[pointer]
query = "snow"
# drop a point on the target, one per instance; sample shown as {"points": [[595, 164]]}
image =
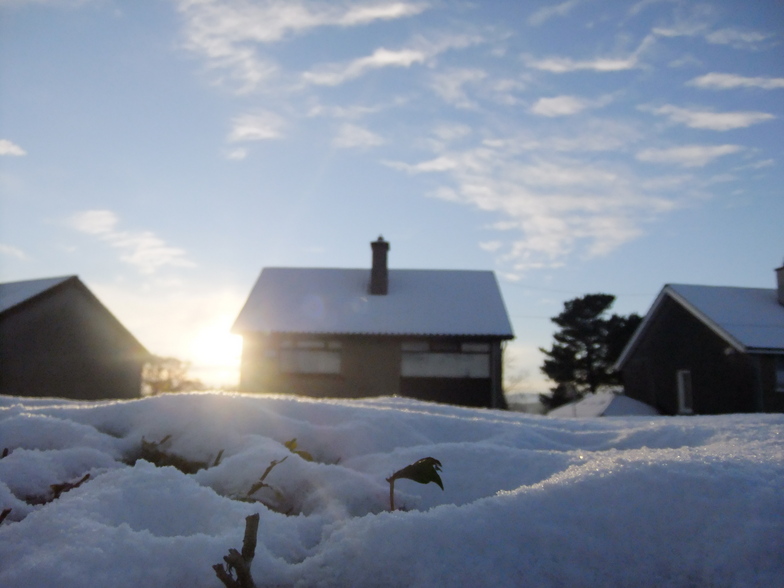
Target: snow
{"points": [[604, 404], [527, 500], [419, 302]]}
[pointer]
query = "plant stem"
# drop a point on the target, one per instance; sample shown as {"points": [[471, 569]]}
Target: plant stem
{"points": [[391, 494]]}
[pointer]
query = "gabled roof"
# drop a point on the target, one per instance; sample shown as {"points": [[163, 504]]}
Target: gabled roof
{"points": [[749, 319], [419, 302], [15, 293]]}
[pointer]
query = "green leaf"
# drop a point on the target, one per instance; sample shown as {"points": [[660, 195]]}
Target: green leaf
{"points": [[423, 471], [292, 446]]}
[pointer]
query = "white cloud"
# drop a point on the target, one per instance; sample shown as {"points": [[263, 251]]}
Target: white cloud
{"points": [[688, 155], [598, 64], [547, 12], [141, 249], [11, 251], [94, 222], [565, 105], [350, 136], [737, 38], [228, 33], [549, 206], [704, 119], [723, 81], [237, 154], [259, 126], [336, 74], [449, 85], [491, 246], [9, 148], [422, 51]]}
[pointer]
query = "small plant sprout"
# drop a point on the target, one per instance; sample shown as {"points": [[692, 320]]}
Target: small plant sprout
{"points": [[423, 471], [292, 446]]}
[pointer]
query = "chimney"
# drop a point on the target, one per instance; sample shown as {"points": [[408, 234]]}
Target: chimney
{"points": [[379, 275], [780, 280]]}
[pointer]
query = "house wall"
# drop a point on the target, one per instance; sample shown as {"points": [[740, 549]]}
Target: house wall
{"points": [[772, 400], [63, 345], [371, 366], [723, 380]]}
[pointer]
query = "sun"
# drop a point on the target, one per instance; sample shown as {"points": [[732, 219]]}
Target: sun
{"points": [[215, 348]]}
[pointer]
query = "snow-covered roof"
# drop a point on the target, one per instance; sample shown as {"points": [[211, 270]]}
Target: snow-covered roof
{"points": [[14, 293], [419, 302], [749, 319], [604, 404]]}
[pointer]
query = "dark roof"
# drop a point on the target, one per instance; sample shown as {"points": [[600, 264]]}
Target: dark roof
{"points": [[749, 319], [14, 293], [15, 296], [419, 302]]}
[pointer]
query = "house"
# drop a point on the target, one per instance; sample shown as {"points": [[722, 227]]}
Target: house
{"points": [[603, 404], [429, 334], [709, 350], [57, 339]]}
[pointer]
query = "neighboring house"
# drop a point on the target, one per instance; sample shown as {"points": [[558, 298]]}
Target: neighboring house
{"points": [[709, 350], [57, 339], [428, 334], [604, 404]]}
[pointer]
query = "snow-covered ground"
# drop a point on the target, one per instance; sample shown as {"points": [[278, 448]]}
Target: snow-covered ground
{"points": [[527, 500]]}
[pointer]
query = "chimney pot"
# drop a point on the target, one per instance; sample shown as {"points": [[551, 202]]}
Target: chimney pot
{"points": [[379, 274]]}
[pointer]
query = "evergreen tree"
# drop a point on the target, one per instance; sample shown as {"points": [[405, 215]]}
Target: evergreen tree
{"points": [[585, 349]]}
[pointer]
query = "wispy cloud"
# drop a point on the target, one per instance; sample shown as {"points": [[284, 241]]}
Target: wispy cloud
{"points": [[725, 81], [737, 38], [335, 74], [10, 148], [11, 251], [420, 51], [687, 155], [237, 154], [228, 33], [705, 119], [566, 105], [258, 126], [546, 13], [141, 249], [696, 20], [561, 65], [354, 136], [549, 205], [450, 85]]}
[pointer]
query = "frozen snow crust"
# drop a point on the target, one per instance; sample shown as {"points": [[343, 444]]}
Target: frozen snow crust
{"points": [[528, 500]]}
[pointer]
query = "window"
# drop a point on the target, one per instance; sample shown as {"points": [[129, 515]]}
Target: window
{"points": [[309, 356], [780, 373], [685, 396], [445, 359]]}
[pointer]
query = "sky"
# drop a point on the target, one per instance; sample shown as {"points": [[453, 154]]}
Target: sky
{"points": [[166, 151]]}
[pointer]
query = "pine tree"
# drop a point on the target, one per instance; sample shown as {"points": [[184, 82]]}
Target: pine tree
{"points": [[585, 349]]}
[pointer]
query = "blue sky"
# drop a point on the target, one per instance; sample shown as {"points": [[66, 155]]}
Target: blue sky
{"points": [[166, 151]]}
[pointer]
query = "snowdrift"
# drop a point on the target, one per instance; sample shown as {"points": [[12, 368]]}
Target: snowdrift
{"points": [[527, 500]]}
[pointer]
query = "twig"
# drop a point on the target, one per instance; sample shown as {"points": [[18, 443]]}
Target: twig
{"points": [[4, 514], [240, 562], [58, 489]]}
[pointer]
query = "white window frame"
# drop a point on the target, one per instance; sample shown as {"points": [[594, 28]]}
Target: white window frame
{"points": [[779, 370], [310, 356], [420, 359], [685, 392]]}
